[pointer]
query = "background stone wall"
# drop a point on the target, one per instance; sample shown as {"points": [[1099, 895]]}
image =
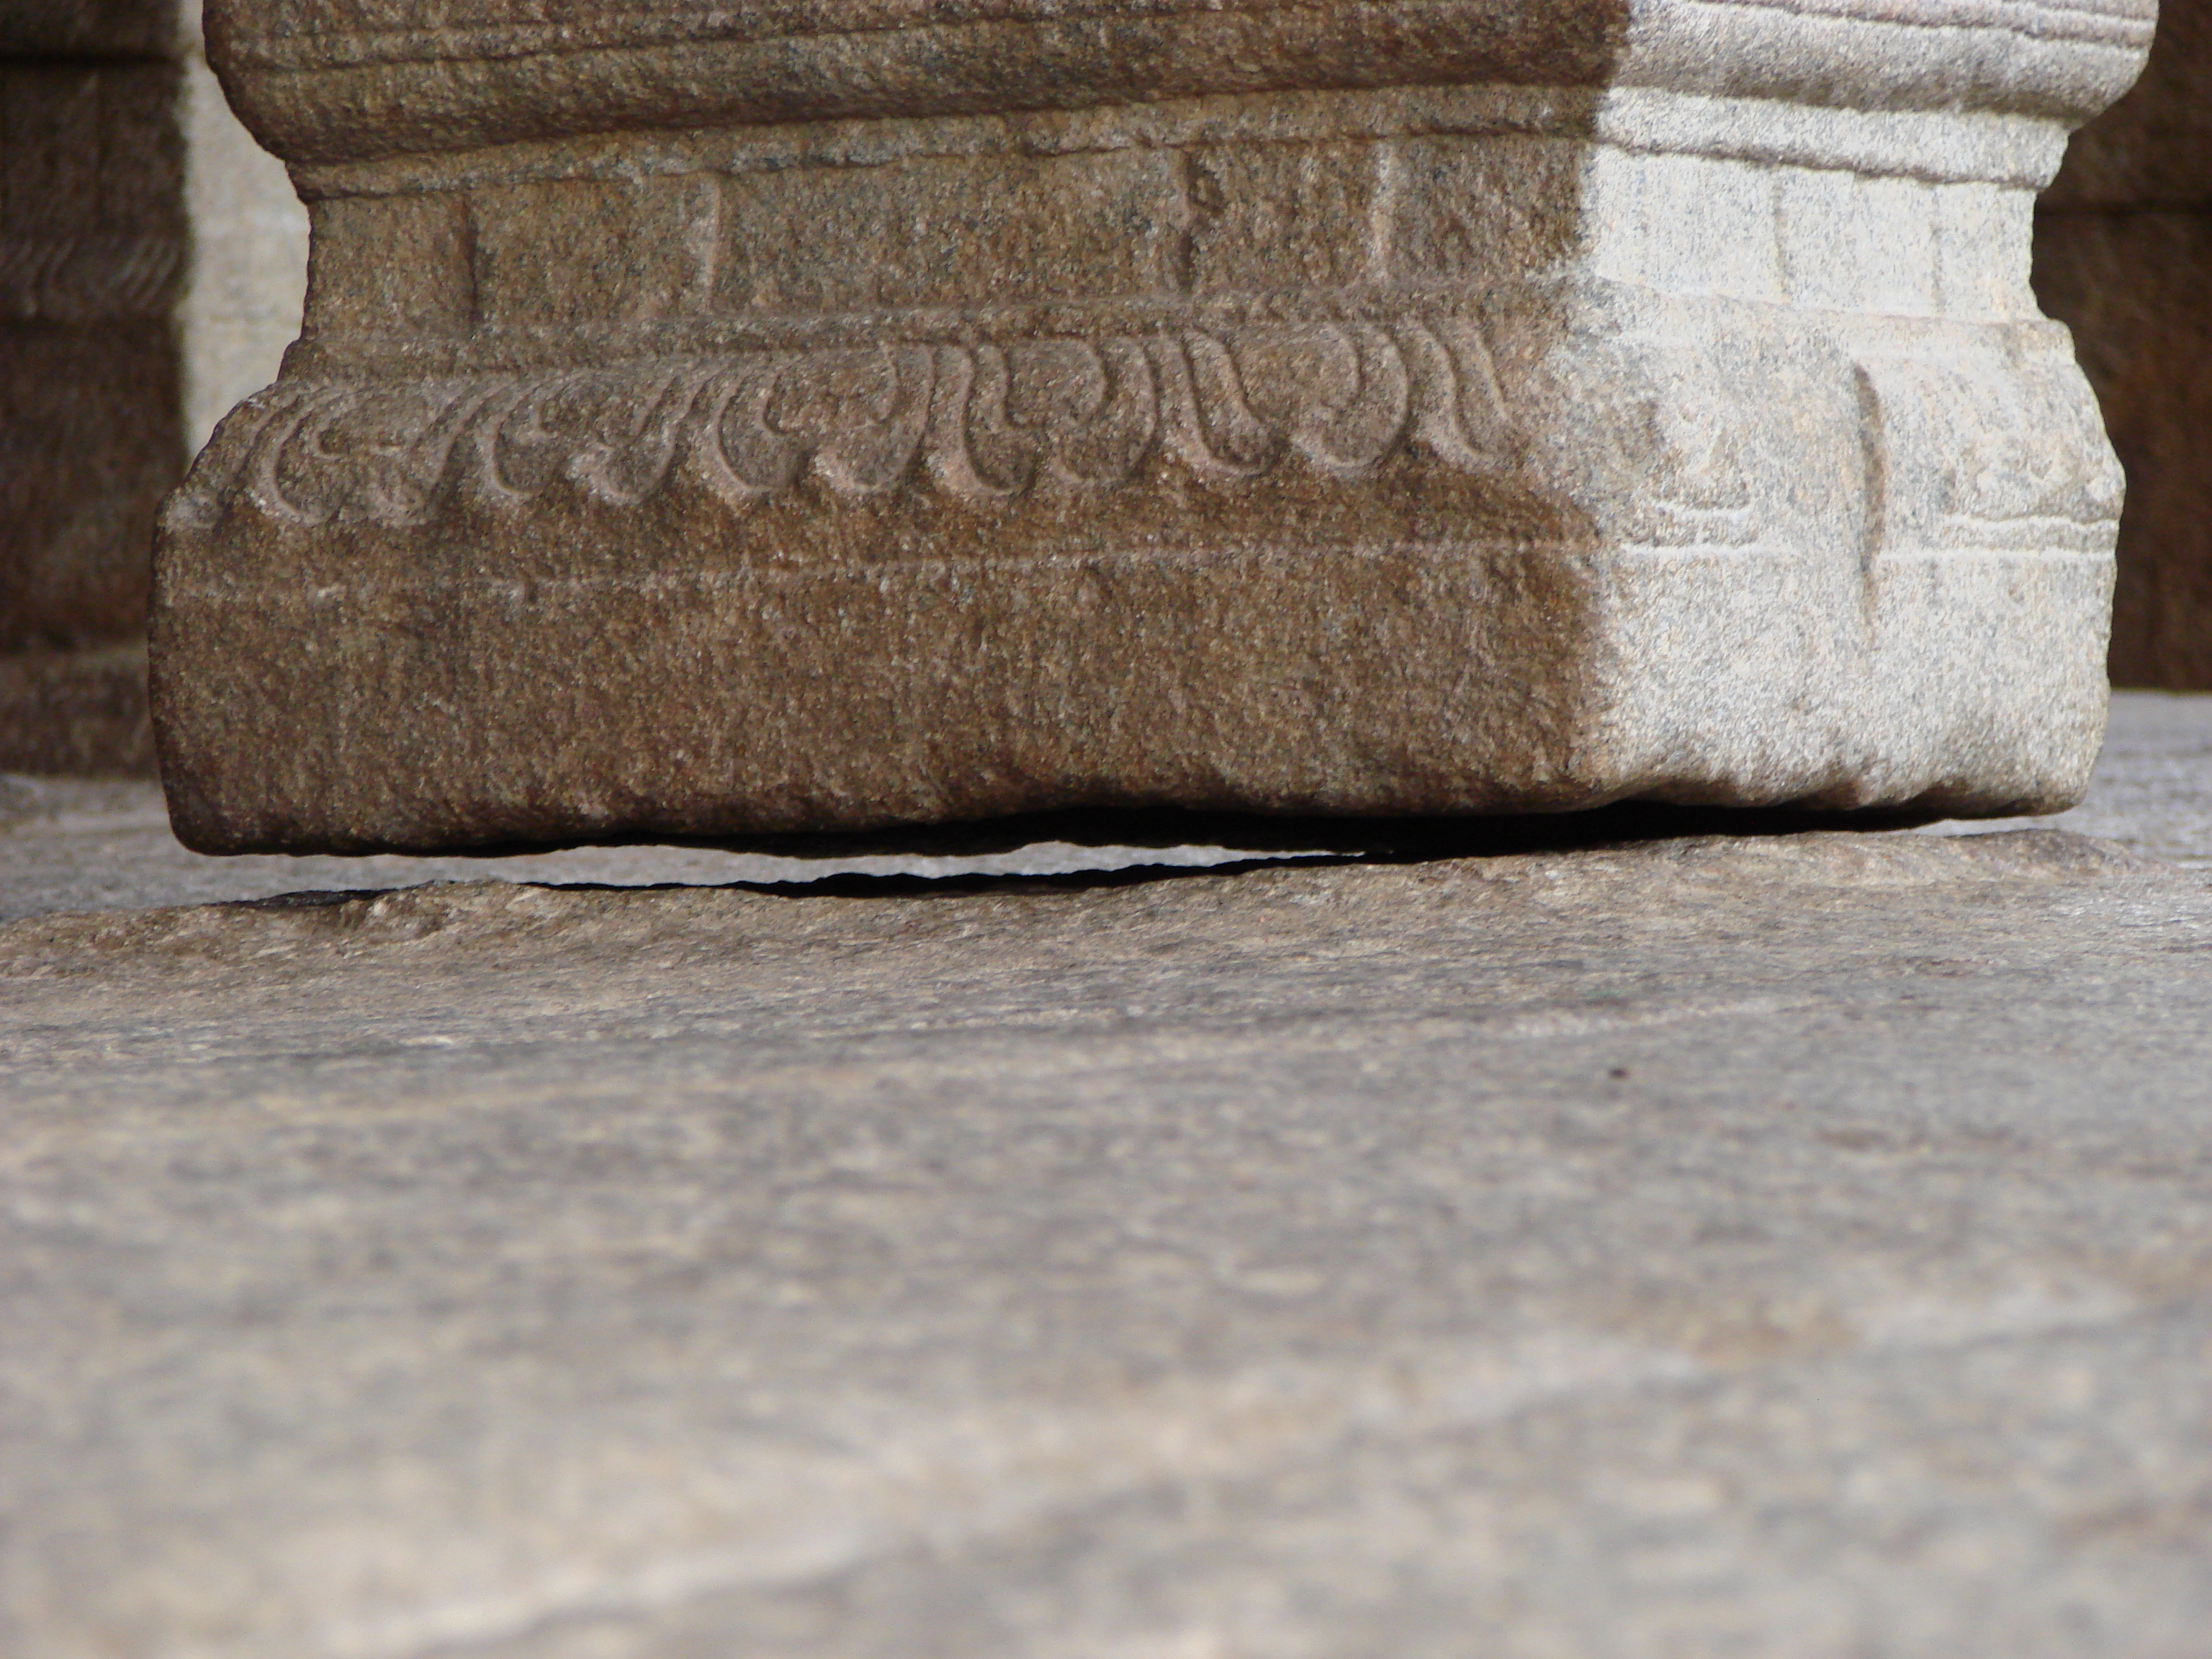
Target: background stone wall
{"points": [[152, 262], [2123, 255]]}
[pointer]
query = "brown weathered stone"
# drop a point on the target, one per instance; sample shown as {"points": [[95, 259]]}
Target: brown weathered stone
{"points": [[88, 28], [128, 300], [92, 248], [75, 711], [92, 243], [2123, 255], [831, 418]]}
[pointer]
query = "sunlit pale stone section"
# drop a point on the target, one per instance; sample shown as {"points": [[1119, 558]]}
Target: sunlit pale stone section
{"points": [[1482, 406], [1686, 224], [1706, 195], [246, 277], [1982, 241]]}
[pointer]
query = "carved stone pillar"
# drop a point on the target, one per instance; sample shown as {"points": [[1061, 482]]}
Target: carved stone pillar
{"points": [[835, 413]]}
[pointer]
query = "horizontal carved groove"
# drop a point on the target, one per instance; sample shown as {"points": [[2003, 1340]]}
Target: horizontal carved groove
{"points": [[1933, 146]]}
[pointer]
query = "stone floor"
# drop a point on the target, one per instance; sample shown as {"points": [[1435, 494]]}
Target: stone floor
{"points": [[1780, 1244], [71, 845]]}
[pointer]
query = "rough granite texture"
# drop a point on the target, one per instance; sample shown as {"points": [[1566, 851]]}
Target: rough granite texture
{"points": [[106, 845], [831, 417], [2123, 256], [1738, 1245]]}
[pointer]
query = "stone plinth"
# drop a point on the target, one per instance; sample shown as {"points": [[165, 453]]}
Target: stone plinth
{"points": [[147, 257], [829, 418], [2123, 255]]}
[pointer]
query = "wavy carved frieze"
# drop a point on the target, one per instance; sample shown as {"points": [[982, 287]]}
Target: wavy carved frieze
{"points": [[979, 421]]}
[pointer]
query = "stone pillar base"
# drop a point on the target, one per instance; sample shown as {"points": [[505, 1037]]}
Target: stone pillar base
{"points": [[1286, 447]]}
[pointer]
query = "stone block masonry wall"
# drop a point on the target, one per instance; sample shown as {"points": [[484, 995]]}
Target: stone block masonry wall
{"points": [[152, 260], [2123, 255]]}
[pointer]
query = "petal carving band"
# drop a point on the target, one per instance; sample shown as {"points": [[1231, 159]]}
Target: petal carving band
{"points": [[979, 421]]}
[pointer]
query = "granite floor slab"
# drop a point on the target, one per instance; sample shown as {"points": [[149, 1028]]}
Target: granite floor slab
{"points": [[1772, 1244]]}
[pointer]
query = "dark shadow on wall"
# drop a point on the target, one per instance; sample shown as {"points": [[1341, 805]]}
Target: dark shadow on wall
{"points": [[2123, 257], [92, 249]]}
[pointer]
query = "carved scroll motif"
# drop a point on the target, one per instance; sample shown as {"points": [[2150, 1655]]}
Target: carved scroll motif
{"points": [[979, 421]]}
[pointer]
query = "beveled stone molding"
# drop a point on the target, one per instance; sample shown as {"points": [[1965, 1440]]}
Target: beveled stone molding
{"points": [[1385, 408]]}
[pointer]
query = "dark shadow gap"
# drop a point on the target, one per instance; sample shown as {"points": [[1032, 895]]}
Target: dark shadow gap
{"points": [[1275, 843]]}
